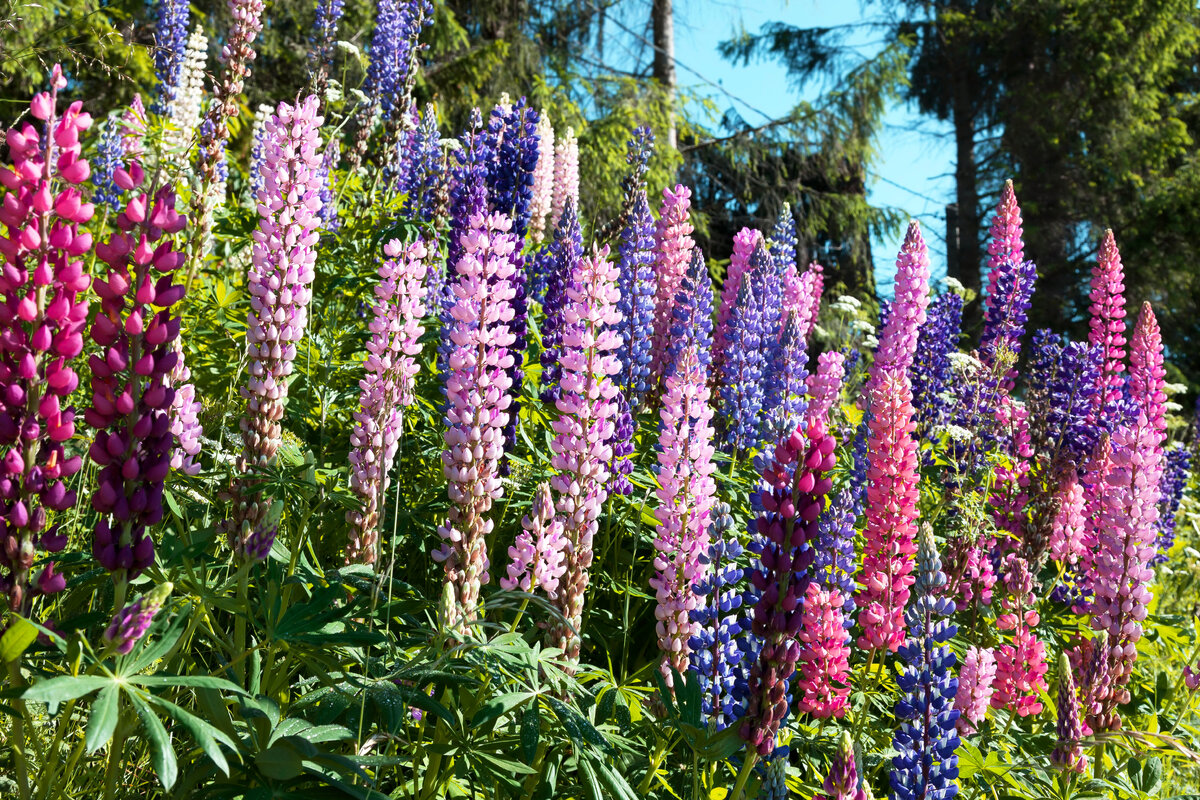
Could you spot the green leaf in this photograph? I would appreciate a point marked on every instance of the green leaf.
(16, 640)
(198, 681)
(280, 762)
(590, 784)
(205, 734)
(531, 731)
(499, 706)
(162, 756)
(64, 688)
(103, 720)
(616, 783)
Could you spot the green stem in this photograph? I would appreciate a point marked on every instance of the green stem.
(520, 614)
(114, 761)
(739, 788)
(239, 621)
(18, 733)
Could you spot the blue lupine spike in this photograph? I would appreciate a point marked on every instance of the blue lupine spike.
(787, 375)
(783, 239)
(1174, 481)
(421, 166)
(741, 378)
(1005, 311)
(398, 24)
(692, 315)
(636, 279)
(835, 562)
(931, 372)
(622, 448)
(512, 133)
(110, 155)
(170, 45)
(565, 252)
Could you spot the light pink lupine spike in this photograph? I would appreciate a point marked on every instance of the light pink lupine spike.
(538, 556)
(1107, 323)
(1006, 233)
(744, 242)
(898, 339)
(813, 282)
(478, 398)
(1068, 530)
(543, 180)
(673, 252)
(975, 687)
(823, 683)
(825, 385)
(582, 445)
(889, 544)
(1147, 377)
(386, 389)
(566, 176)
(686, 492)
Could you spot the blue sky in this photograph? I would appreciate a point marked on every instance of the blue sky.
(914, 171)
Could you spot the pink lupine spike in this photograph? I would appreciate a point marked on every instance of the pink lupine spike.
(975, 687)
(1069, 527)
(1006, 233)
(582, 446)
(539, 553)
(744, 242)
(566, 176)
(543, 180)
(387, 389)
(478, 394)
(806, 301)
(1147, 377)
(686, 493)
(823, 685)
(1107, 323)
(825, 385)
(1020, 666)
(898, 339)
(673, 252)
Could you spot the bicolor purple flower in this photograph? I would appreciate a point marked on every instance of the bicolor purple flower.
(931, 372)
(742, 370)
(715, 651)
(130, 624)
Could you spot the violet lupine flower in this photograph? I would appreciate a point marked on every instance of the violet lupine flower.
(477, 388)
(925, 765)
(835, 562)
(745, 242)
(741, 374)
(783, 240)
(566, 176)
(691, 317)
(170, 41)
(320, 43)
(899, 333)
(511, 174)
(637, 299)
(842, 782)
(1006, 243)
(566, 252)
(890, 535)
(110, 154)
(825, 386)
(130, 625)
(587, 411)
(790, 498)
(931, 372)
(714, 652)
(673, 247)
(823, 683)
(685, 498)
(1062, 385)
(1020, 666)
(185, 418)
(43, 283)
(622, 446)
(1107, 325)
(543, 180)
(1006, 309)
(423, 173)
(280, 288)
(787, 374)
(131, 399)
(639, 149)
(540, 551)
(398, 24)
(1068, 753)
(258, 148)
(468, 188)
(976, 683)
(387, 389)
(1174, 482)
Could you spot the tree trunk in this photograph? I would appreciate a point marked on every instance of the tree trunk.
(662, 17)
(966, 183)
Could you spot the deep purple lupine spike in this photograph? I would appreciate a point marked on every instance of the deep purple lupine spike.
(622, 447)
(510, 177)
(742, 371)
(1178, 466)
(931, 371)
(130, 624)
(565, 253)
(637, 283)
(1005, 312)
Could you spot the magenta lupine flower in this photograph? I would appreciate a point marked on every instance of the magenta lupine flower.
(1006, 243)
(280, 288)
(1020, 666)
(673, 252)
(1069, 527)
(1107, 323)
(1191, 678)
(185, 418)
(387, 389)
(543, 180)
(43, 318)
(584, 429)
(898, 339)
(842, 782)
(1147, 378)
(540, 551)
(744, 242)
(130, 624)
(1068, 753)
(478, 398)
(686, 494)
(131, 388)
(566, 176)
(823, 683)
(890, 535)
(825, 386)
(976, 683)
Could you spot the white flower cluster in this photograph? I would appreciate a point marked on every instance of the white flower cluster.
(1175, 388)
(965, 364)
(956, 433)
(846, 304)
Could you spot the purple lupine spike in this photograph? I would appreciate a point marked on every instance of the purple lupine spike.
(931, 372)
(320, 43)
(170, 42)
(622, 447)
(1178, 467)
(835, 562)
(130, 624)
(691, 316)
(741, 376)
(715, 654)
(393, 49)
(510, 178)
(637, 299)
(329, 159)
(1005, 312)
(565, 253)
(423, 167)
(783, 240)
(787, 375)
(468, 184)
(110, 154)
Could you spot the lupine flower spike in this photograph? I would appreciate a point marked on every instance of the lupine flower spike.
(976, 682)
(673, 248)
(1107, 324)
(539, 553)
(715, 654)
(1068, 753)
(130, 625)
(1020, 666)
(842, 782)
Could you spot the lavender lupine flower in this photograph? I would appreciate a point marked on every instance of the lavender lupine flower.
(786, 374)
(715, 654)
(742, 371)
(637, 281)
(185, 418)
(1068, 754)
(130, 624)
(926, 766)
(477, 386)
(1178, 466)
(280, 288)
(511, 174)
(1005, 312)
(931, 371)
(423, 172)
(691, 317)
(320, 43)
(110, 154)
(42, 281)
(387, 389)
(393, 49)
(622, 446)
(170, 41)
(566, 251)
(790, 498)
(581, 453)
(540, 550)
